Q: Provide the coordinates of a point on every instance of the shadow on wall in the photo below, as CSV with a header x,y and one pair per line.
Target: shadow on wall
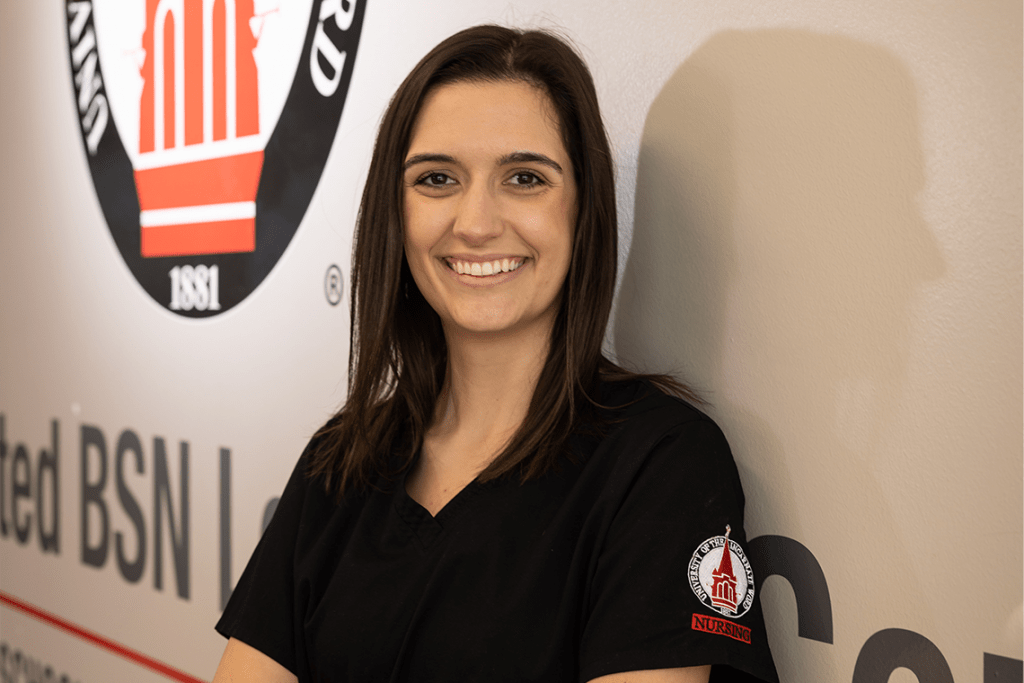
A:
x,y
776,251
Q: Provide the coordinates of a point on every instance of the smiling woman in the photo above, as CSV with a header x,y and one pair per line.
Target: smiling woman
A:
x,y
497,500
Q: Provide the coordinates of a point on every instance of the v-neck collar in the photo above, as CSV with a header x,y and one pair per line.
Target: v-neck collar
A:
x,y
426,527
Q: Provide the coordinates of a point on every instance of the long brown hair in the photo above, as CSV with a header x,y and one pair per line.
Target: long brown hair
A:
x,y
398,355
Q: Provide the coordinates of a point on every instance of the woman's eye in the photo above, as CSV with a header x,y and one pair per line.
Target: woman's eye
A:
x,y
436,180
526,179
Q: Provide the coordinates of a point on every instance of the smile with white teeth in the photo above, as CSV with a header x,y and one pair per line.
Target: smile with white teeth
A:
x,y
485,268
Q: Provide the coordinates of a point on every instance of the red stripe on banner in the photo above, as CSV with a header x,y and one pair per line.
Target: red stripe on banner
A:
x,y
220,180
98,640
190,239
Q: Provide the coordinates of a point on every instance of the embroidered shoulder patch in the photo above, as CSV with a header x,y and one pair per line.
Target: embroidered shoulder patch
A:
x,y
721,577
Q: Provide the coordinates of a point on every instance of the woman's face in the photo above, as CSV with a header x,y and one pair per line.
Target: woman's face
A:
x,y
489,207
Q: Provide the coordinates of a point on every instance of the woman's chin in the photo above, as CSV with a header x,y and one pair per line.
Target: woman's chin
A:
x,y
482,328
498,318
487,324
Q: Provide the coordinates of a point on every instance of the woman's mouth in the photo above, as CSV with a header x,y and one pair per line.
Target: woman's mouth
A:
x,y
485,268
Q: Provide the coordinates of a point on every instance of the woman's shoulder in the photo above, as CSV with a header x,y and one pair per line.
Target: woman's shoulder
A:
x,y
644,428
640,403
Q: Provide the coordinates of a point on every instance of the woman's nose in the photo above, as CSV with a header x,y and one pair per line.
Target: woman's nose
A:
x,y
479,216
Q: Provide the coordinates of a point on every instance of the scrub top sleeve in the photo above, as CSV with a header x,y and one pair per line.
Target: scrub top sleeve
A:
x,y
661,596
260,612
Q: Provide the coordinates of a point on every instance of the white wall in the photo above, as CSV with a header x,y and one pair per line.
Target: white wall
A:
x,y
821,212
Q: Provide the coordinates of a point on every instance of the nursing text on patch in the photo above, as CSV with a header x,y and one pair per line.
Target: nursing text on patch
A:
x,y
723,627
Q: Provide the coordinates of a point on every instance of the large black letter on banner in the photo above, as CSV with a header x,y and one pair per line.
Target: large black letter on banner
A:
x,y
21,487
225,526
49,539
92,495
3,486
179,532
129,442
895,648
1003,669
785,557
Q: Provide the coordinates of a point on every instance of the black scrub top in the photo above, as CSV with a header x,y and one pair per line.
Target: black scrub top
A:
x,y
613,563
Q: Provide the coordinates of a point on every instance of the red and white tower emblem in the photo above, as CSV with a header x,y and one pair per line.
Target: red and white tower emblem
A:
x,y
200,152
723,580
206,125
721,577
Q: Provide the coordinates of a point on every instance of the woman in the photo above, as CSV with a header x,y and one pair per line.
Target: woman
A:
x,y
497,500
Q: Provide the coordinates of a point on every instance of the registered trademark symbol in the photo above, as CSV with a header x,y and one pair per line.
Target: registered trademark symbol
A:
x,y
333,285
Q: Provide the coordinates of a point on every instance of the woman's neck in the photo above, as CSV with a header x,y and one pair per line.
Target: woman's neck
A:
x,y
489,384
486,395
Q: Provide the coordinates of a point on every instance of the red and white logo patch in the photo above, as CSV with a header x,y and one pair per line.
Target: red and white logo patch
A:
x,y
721,577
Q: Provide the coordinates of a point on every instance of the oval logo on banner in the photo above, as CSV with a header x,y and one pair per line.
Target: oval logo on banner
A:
x,y
206,130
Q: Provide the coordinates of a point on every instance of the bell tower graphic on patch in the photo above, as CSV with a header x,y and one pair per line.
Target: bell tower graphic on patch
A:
x,y
723,581
721,577
200,153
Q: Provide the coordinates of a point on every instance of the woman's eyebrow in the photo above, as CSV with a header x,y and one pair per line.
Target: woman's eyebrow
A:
x,y
526,157
431,157
511,158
